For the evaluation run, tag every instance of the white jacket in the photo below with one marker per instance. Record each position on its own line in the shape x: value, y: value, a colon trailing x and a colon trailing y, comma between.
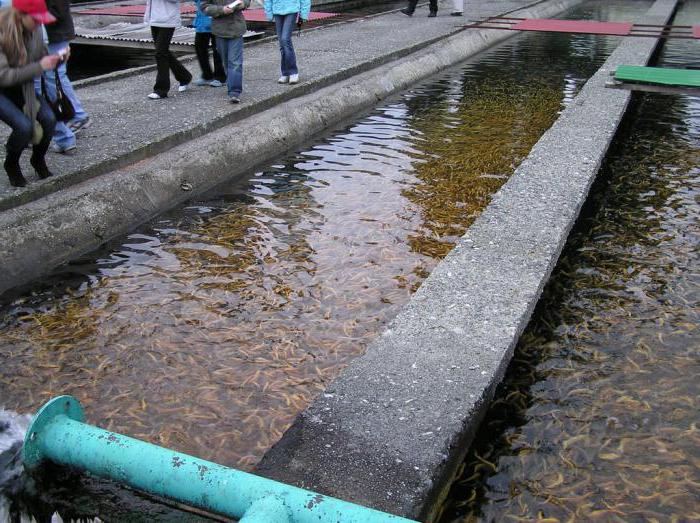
x: 163, y: 13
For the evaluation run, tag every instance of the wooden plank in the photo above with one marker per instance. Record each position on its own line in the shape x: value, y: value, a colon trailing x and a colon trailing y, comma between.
x: 574, y: 26
x: 649, y: 88
x: 658, y: 76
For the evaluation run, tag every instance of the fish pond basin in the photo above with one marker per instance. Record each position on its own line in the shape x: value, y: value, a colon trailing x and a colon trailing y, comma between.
x: 208, y: 329
x: 597, y: 419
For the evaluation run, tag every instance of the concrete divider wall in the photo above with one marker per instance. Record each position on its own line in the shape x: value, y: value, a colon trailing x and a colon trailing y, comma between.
x: 41, y: 234
x: 391, y: 430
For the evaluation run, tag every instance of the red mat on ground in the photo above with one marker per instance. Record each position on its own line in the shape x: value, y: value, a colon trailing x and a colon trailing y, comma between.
x: 575, y: 26
x: 251, y: 15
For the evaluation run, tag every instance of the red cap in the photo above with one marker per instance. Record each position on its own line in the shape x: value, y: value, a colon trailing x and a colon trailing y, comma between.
x: 36, y: 9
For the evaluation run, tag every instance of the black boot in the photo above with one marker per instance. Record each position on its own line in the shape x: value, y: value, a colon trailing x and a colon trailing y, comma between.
x: 14, y: 171
x: 407, y: 11
x: 39, y: 164
x: 38, y: 159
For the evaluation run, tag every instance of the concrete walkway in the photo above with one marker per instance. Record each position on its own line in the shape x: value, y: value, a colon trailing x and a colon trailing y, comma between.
x: 127, y: 127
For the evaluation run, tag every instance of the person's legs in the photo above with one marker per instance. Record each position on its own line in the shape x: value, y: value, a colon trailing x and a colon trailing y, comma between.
x: 433, y: 6
x: 410, y: 7
x: 219, y: 71
x: 21, y: 127
x: 458, y: 6
x: 161, y: 39
x: 231, y: 50
x: 182, y: 75
x: 284, y: 25
x: 47, y: 120
x: 63, y: 136
x: 201, y: 47
x: 19, y: 138
x: 222, y: 46
x: 80, y: 113
x: 279, y: 27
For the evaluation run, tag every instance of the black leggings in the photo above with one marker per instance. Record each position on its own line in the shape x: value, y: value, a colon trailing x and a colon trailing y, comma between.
x: 202, y: 42
x: 413, y: 3
x: 166, y: 61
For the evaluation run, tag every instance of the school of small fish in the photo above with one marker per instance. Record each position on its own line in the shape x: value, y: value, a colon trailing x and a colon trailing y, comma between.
x: 598, y: 418
x: 225, y: 324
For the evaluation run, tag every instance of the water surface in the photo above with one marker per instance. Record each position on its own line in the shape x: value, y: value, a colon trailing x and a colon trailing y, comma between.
x: 208, y: 329
x: 598, y: 419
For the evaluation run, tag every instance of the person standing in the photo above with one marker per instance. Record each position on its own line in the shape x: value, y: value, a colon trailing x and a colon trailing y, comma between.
x: 60, y: 33
x: 164, y: 16
x: 458, y: 8
x: 202, y: 40
x: 411, y: 7
x: 228, y: 26
x: 286, y: 14
x: 23, y: 57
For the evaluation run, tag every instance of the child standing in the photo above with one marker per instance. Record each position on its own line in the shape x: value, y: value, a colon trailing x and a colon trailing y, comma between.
x: 164, y: 17
x: 286, y: 14
x: 202, y: 40
x: 228, y: 26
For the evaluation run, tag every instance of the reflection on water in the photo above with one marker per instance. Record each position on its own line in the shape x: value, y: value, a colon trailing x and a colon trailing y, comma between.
x: 210, y: 328
x: 598, y: 417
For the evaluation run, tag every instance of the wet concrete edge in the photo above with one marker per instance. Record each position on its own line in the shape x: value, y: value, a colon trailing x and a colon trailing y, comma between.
x: 392, y: 429
x: 41, y: 234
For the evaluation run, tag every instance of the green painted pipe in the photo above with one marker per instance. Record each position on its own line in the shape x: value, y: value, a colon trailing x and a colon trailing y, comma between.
x: 58, y: 434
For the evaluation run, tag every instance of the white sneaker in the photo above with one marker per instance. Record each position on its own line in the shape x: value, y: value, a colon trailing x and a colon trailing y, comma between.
x: 182, y: 88
x: 283, y: 80
x: 294, y: 79
x: 155, y: 96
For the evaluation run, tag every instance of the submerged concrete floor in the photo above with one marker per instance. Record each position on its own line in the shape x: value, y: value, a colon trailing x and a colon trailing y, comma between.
x: 128, y: 127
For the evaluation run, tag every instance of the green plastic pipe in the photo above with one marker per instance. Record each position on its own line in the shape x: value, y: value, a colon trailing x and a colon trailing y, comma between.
x: 59, y: 434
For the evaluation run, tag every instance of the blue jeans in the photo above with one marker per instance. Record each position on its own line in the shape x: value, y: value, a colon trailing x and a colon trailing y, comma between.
x: 63, y: 136
x: 21, y: 135
x: 231, y: 51
x: 284, y: 24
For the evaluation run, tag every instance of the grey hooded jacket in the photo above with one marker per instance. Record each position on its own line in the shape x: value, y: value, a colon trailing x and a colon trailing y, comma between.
x: 163, y: 13
x: 222, y: 25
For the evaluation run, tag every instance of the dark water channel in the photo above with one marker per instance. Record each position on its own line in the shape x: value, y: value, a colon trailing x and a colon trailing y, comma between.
x: 208, y: 329
x: 598, y: 417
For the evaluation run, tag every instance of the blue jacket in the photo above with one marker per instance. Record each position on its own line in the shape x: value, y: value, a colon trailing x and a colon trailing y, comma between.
x: 285, y: 7
x: 202, y: 22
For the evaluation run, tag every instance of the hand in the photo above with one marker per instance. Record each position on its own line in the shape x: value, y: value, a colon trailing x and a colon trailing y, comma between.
x: 227, y: 10
x: 49, y: 62
x: 300, y: 21
x: 64, y: 54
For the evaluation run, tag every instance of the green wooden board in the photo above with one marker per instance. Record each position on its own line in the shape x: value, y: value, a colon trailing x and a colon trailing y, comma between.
x: 658, y: 76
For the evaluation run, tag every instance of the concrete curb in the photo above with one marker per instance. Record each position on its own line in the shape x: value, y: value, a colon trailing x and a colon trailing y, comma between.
x: 392, y: 429
x: 66, y: 222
